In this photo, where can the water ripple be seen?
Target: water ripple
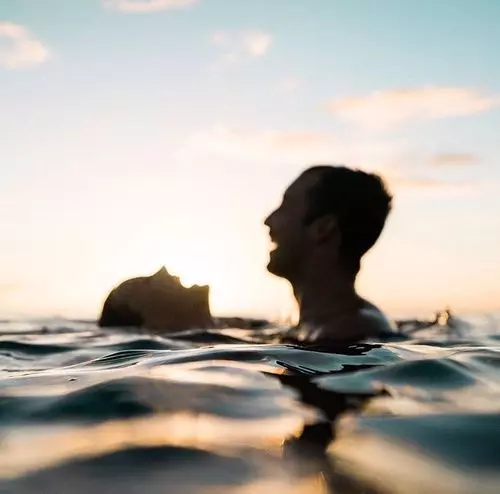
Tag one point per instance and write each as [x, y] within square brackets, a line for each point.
[236, 411]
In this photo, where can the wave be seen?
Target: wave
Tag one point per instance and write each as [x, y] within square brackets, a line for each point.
[237, 411]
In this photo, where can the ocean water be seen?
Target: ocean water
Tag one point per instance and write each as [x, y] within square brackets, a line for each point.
[235, 411]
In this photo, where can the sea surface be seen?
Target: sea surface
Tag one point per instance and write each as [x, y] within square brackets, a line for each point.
[85, 410]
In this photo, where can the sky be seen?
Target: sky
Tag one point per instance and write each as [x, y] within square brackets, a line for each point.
[142, 133]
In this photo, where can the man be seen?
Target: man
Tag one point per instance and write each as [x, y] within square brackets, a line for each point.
[328, 219]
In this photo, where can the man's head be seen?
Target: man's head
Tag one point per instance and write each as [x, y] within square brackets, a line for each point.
[328, 211]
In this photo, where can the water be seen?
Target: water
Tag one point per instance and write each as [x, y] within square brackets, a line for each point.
[85, 410]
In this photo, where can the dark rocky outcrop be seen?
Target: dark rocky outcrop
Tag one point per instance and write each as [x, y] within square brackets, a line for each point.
[159, 303]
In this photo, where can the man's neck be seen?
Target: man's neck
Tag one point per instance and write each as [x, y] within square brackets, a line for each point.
[324, 295]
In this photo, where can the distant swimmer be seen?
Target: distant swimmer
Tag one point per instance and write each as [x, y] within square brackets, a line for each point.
[330, 216]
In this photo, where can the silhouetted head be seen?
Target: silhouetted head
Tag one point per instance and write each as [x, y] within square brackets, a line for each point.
[157, 302]
[329, 213]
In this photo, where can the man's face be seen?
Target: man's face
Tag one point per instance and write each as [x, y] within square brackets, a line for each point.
[288, 230]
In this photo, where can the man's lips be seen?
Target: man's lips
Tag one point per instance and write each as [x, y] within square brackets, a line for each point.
[273, 245]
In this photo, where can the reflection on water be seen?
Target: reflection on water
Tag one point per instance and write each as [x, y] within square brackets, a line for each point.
[236, 411]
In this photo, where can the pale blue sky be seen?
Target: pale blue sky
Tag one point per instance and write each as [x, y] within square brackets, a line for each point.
[135, 139]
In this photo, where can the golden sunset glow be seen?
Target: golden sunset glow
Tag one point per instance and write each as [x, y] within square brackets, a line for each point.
[199, 125]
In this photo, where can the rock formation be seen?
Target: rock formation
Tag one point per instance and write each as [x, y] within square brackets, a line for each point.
[159, 303]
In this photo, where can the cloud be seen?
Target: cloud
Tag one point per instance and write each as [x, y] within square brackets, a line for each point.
[455, 159]
[256, 43]
[383, 109]
[18, 48]
[232, 147]
[227, 149]
[240, 45]
[444, 187]
[142, 6]
[420, 183]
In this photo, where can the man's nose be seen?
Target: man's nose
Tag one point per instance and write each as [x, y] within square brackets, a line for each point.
[268, 220]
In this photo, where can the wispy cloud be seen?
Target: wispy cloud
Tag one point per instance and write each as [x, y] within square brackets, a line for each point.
[18, 48]
[293, 150]
[454, 159]
[443, 187]
[224, 145]
[383, 109]
[256, 43]
[237, 46]
[424, 183]
[141, 6]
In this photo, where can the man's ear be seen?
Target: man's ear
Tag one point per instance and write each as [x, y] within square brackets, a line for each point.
[324, 228]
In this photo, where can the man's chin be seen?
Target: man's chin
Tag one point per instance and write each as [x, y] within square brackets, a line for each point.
[270, 267]
[273, 266]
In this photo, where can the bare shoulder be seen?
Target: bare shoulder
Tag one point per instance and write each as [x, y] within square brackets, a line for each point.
[373, 320]
[365, 322]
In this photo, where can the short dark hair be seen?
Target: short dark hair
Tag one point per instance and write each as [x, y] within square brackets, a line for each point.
[359, 200]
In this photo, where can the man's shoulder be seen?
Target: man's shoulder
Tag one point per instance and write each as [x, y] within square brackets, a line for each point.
[366, 322]
[373, 320]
